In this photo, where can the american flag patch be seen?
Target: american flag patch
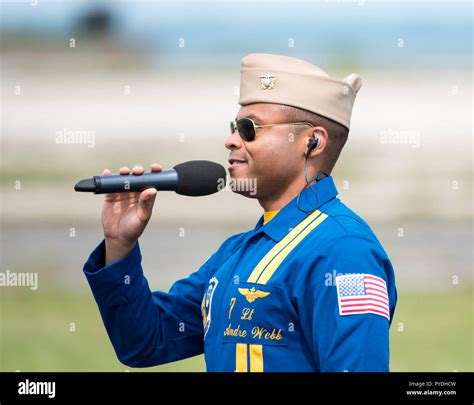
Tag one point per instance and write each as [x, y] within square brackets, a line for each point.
[362, 294]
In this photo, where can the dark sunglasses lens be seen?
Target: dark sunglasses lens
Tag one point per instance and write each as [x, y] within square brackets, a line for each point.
[246, 130]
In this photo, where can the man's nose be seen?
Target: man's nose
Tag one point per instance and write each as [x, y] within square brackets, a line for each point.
[234, 141]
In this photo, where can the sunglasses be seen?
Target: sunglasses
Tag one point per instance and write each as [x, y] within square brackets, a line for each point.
[247, 128]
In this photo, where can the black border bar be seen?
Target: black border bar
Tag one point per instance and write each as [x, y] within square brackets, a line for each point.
[153, 387]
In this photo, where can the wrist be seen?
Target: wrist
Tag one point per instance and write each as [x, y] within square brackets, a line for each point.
[116, 249]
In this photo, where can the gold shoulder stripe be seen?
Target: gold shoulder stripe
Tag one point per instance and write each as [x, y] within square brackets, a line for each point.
[273, 266]
[280, 246]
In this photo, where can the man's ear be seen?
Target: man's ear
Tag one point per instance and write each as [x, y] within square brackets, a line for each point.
[316, 141]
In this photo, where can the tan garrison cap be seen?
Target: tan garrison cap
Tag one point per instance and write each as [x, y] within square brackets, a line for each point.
[267, 78]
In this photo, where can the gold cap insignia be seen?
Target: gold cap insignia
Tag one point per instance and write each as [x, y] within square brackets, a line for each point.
[267, 81]
[251, 294]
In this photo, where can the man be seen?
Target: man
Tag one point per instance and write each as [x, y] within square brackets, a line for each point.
[310, 288]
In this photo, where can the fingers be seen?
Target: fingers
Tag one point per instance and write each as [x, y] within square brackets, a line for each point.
[124, 170]
[110, 196]
[148, 194]
[138, 169]
[145, 204]
[155, 167]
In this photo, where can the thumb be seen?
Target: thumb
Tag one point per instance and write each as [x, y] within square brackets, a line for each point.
[145, 203]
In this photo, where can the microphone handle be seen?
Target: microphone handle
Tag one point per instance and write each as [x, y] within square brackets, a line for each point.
[123, 183]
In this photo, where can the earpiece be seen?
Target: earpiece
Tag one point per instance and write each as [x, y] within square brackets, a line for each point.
[313, 144]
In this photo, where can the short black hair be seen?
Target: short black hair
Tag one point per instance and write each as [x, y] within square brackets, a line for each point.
[338, 133]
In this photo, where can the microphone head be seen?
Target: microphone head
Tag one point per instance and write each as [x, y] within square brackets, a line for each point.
[200, 177]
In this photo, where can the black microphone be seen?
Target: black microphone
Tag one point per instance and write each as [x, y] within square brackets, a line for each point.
[193, 178]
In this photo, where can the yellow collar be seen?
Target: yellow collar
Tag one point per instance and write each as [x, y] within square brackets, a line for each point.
[268, 216]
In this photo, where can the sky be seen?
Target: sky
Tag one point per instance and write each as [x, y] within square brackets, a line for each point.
[432, 32]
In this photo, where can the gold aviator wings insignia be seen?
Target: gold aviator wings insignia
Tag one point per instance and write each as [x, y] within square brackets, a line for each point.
[252, 294]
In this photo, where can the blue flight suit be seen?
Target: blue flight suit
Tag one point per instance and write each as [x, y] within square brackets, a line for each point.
[285, 296]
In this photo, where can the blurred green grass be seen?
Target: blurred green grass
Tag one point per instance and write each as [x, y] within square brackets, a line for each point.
[432, 331]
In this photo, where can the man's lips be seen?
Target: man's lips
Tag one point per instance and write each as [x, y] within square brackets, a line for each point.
[236, 162]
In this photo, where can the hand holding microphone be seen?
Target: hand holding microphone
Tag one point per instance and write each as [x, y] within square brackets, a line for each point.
[125, 215]
[129, 197]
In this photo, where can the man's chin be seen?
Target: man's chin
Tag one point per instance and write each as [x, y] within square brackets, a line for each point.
[243, 185]
[247, 194]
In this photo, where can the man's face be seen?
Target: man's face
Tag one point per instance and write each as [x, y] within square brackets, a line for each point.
[274, 159]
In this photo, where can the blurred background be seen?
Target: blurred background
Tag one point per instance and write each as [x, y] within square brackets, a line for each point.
[92, 84]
